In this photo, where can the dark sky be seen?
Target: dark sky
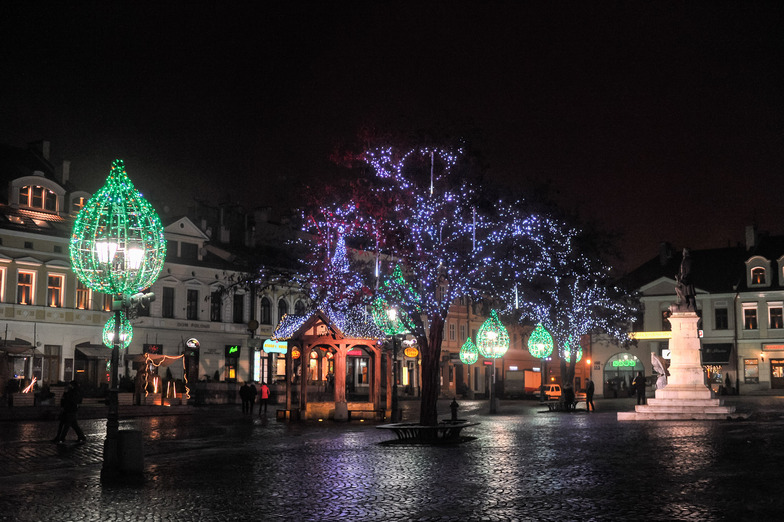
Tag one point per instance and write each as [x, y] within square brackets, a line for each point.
[659, 120]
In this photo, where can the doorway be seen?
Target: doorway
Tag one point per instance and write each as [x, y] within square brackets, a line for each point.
[777, 373]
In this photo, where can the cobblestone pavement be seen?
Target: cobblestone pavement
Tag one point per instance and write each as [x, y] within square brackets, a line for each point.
[523, 465]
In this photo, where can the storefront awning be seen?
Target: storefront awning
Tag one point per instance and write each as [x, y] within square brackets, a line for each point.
[94, 351]
[19, 347]
[716, 354]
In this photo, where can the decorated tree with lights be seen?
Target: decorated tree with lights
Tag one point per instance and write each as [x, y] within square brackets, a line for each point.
[575, 295]
[422, 209]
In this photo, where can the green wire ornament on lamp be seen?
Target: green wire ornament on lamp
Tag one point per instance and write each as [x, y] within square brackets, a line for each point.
[492, 340]
[540, 342]
[126, 331]
[469, 353]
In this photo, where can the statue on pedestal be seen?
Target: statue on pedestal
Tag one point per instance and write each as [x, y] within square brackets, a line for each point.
[659, 366]
[684, 287]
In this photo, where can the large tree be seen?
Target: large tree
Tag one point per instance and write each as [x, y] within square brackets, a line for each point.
[423, 210]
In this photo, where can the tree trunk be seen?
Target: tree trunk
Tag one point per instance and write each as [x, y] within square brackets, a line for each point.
[431, 383]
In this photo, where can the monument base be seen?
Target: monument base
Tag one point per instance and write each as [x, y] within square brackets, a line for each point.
[681, 403]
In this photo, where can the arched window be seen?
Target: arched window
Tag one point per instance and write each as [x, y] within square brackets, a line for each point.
[39, 198]
[758, 276]
[299, 307]
[283, 309]
[266, 311]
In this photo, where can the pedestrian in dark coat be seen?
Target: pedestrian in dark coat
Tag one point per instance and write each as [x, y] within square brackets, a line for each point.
[589, 389]
[639, 387]
[251, 396]
[70, 402]
[245, 397]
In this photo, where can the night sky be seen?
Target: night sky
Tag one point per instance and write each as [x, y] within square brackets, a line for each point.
[662, 121]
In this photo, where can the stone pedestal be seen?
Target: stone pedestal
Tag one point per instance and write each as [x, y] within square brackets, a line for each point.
[686, 397]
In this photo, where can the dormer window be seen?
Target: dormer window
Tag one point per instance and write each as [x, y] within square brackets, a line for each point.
[758, 276]
[38, 198]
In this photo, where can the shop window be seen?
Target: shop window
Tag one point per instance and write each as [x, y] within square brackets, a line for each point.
[2, 283]
[750, 317]
[25, 285]
[721, 319]
[775, 318]
[192, 304]
[751, 371]
[266, 311]
[54, 291]
[167, 302]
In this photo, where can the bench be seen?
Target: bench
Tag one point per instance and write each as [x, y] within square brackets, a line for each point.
[559, 406]
[444, 432]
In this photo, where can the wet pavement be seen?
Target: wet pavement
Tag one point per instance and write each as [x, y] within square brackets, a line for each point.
[213, 464]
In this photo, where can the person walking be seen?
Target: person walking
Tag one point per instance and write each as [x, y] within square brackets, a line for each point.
[639, 387]
[264, 394]
[589, 389]
[70, 402]
[251, 396]
[245, 397]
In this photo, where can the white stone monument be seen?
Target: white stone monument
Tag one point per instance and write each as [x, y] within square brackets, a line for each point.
[686, 396]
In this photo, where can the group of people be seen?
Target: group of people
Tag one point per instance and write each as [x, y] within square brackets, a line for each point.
[69, 403]
[248, 393]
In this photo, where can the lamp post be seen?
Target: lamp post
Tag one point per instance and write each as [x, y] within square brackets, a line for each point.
[540, 345]
[393, 323]
[392, 313]
[118, 248]
[492, 341]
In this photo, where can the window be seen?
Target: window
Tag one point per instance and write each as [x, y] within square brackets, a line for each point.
[775, 315]
[167, 302]
[216, 300]
[189, 251]
[238, 309]
[299, 307]
[750, 316]
[38, 197]
[665, 321]
[721, 319]
[283, 309]
[266, 311]
[452, 332]
[78, 204]
[192, 305]
[758, 276]
[462, 332]
[54, 291]
[28, 245]
[107, 303]
[25, 284]
[57, 249]
[751, 371]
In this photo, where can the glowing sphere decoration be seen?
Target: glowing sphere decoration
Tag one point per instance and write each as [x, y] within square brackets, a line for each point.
[126, 331]
[566, 355]
[388, 318]
[117, 243]
[540, 342]
[469, 353]
[492, 340]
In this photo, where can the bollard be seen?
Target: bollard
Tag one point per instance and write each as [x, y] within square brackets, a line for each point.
[454, 406]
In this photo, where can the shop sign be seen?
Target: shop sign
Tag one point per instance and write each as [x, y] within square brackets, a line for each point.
[624, 362]
[355, 353]
[271, 346]
[411, 352]
[295, 353]
[156, 349]
[232, 350]
[192, 343]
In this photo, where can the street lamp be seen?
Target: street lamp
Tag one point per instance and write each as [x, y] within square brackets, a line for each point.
[492, 341]
[118, 248]
[540, 345]
[389, 320]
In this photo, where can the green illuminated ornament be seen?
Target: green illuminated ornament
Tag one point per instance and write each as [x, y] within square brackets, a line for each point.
[540, 342]
[492, 340]
[469, 353]
[117, 243]
[388, 318]
[567, 351]
[393, 320]
[126, 331]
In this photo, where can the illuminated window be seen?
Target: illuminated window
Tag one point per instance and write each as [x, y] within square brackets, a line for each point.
[775, 315]
[107, 303]
[751, 371]
[750, 316]
[266, 311]
[54, 291]
[38, 197]
[25, 284]
[2, 284]
[192, 304]
[758, 276]
[78, 204]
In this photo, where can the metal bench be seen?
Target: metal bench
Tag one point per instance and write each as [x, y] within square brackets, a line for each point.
[445, 431]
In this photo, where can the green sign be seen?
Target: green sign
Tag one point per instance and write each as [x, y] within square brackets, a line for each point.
[624, 362]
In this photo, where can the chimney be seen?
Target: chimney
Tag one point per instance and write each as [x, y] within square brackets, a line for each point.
[41, 147]
[66, 172]
[751, 236]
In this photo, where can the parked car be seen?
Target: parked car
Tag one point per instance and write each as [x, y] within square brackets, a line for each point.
[551, 391]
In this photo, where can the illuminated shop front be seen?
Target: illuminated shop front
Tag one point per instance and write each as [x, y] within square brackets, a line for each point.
[619, 373]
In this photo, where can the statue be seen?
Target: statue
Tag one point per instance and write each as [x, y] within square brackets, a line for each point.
[684, 288]
[660, 368]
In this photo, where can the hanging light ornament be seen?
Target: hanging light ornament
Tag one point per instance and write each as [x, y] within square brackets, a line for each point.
[387, 317]
[540, 342]
[117, 243]
[469, 353]
[566, 355]
[492, 340]
[126, 331]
